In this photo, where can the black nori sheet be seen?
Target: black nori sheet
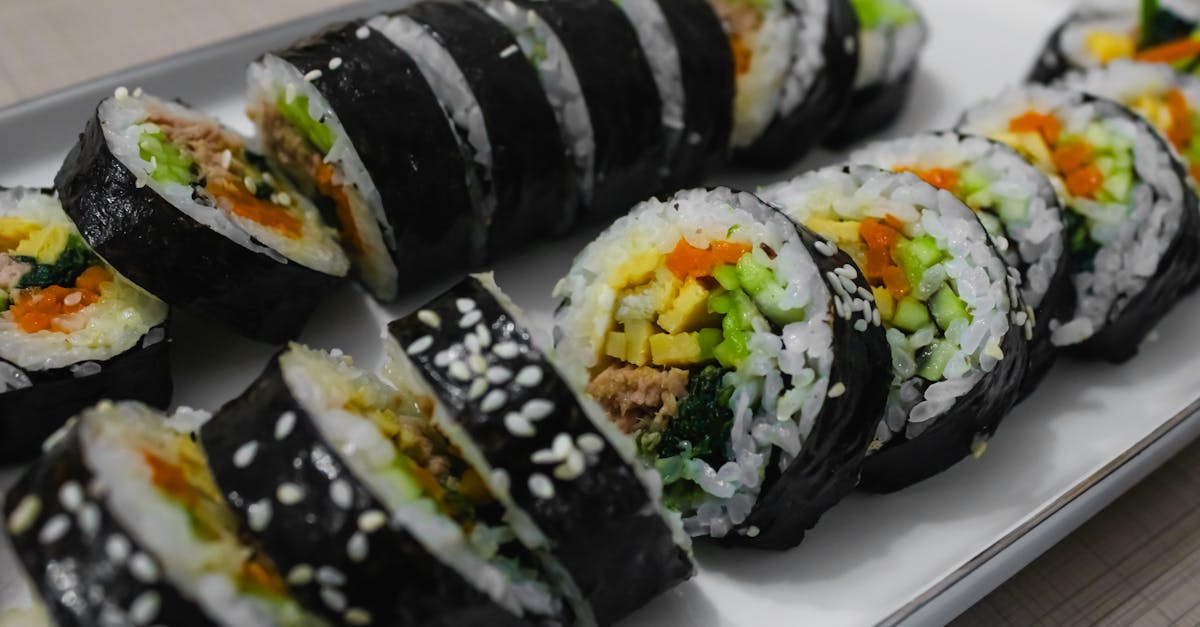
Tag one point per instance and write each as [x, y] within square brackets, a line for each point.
[399, 582]
[1052, 63]
[621, 95]
[603, 525]
[178, 259]
[402, 135]
[142, 373]
[830, 99]
[828, 467]
[707, 70]
[533, 182]
[75, 575]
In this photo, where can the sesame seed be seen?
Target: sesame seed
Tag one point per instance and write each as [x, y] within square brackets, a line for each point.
[478, 387]
[498, 375]
[143, 568]
[752, 531]
[519, 425]
[121, 93]
[357, 616]
[529, 376]
[537, 408]
[137, 92]
[836, 390]
[590, 443]
[285, 424]
[442, 359]
[24, 514]
[73, 299]
[430, 318]
[464, 305]
[226, 158]
[333, 599]
[421, 345]
[357, 548]
[335, 63]
[145, 608]
[506, 350]
[300, 575]
[245, 454]
[70, 495]
[846, 271]
[860, 325]
[544, 456]
[848, 285]
[371, 521]
[312, 76]
[471, 341]
[289, 493]
[251, 185]
[509, 51]
[477, 363]
[112, 616]
[54, 529]
[116, 548]
[867, 294]
[485, 336]
[993, 350]
[572, 468]
[460, 371]
[341, 494]
[259, 515]
[541, 486]
[493, 401]
[470, 318]
[289, 93]
[562, 445]
[875, 317]
[363, 32]
[330, 577]
[89, 520]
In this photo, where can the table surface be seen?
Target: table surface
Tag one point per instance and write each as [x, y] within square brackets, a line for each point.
[1137, 562]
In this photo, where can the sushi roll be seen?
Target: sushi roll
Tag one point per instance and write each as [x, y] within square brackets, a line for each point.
[600, 82]
[182, 207]
[949, 303]
[569, 481]
[353, 120]
[1131, 218]
[371, 515]
[693, 68]
[891, 35]
[72, 329]
[794, 63]
[743, 356]
[1094, 36]
[1020, 209]
[503, 120]
[119, 523]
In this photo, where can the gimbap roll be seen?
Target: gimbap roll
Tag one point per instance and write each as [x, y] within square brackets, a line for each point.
[352, 119]
[1020, 209]
[119, 523]
[742, 355]
[569, 480]
[600, 83]
[891, 35]
[794, 62]
[182, 207]
[72, 329]
[369, 512]
[950, 305]
[1131, 218]
[1147, 31]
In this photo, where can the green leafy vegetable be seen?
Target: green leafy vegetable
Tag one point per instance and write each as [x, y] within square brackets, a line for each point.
[701, 429]
[873, 14]
[296, 113]
[75, 258]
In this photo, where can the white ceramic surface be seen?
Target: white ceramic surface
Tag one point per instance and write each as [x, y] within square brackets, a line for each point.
[917, 557]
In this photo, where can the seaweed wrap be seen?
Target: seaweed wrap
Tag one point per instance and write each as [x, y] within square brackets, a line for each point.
[948, 301]
[600, 83]
[72, 329]
[1131, 217]
[119, 523]
[369, 512]
[353, 120]
[569, 479]
[186, 210]
[693, 68]
[1147, 31]
[1020, 209]
[794, 66]
[891, 35]
[743, 356]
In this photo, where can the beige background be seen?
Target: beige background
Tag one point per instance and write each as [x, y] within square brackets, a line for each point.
[1138, 562]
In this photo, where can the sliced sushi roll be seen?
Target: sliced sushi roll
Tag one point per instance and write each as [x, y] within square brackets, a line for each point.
[72, 329]
[891, 35]
[120, 524]
[373, 517]
[743, 356]
[352, 119]
[947, 299]
[569, 480]
[1020, 209]
[693, 68]
[1131, 218]
[1146, 31]
[502, 117]
[182, 207]
[794, 62]
[600, 83]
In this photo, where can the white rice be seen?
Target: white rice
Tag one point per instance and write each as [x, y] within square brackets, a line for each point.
[885, 54]
[662, 52]
[979, 276]
[779, 390]
[760, 90]
[808, 59]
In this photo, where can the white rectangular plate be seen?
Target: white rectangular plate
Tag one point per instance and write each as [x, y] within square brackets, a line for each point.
[917, 557]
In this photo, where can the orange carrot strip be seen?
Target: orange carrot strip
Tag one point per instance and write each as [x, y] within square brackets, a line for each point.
[1170, 52]
[1071, 157]
[1180, 133]
[1035, 122]
[1085, 182]
[688, 261]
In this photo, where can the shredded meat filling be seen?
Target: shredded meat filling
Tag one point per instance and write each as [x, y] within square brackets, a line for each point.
[637, 397]
[11, 272]
[286, 144]
[204, 142]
